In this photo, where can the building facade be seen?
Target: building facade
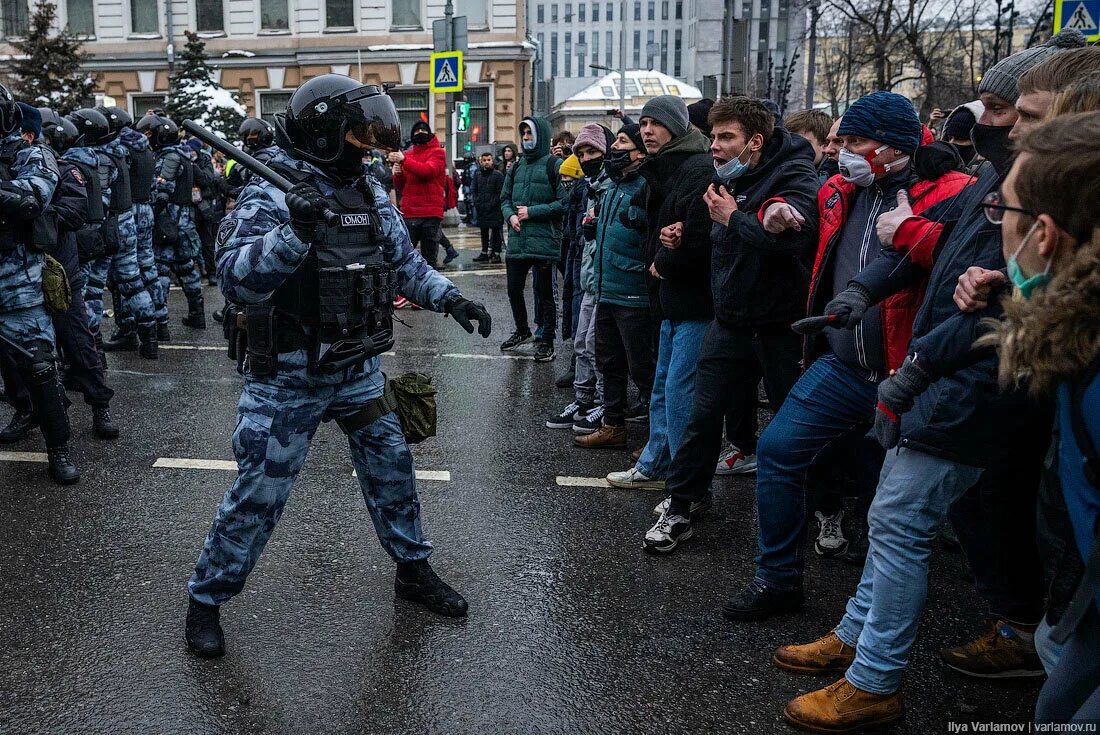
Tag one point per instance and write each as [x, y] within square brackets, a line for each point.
[263, 49]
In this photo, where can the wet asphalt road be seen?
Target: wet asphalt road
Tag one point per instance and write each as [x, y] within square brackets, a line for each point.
[572, 628]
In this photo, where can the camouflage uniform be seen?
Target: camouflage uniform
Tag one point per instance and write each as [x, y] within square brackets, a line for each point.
[179, 259]
[277, 416]
[143, 222]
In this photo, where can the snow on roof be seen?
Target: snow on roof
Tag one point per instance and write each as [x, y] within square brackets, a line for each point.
[639, 83]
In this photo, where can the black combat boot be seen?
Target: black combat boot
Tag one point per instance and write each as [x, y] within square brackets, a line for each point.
[147, 337]
[196, 313]
[204, 630]
[102, 424]
[19, 426]
[218, 315]
[417, 581]
[62, 469]
[123, 340]
[163, 333]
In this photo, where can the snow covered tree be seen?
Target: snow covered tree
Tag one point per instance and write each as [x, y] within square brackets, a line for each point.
[46, 70]
[193, 94]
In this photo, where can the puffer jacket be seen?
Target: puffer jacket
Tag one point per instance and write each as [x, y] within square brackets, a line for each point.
[533, 182]
[486, 191]
[421, 181]
[620, 250]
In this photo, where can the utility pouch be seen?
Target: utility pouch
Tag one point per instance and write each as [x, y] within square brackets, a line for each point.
[55, 287]
[261, 357]
[112, 239]
[165, 230]
[89, 243]
[44, 231]
[415, 398]
[334, 288]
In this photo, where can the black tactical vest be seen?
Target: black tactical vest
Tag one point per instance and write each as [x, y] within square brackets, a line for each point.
[19, 232]
[95, 192]
[343, 289]
[142, 169]
[121, 199]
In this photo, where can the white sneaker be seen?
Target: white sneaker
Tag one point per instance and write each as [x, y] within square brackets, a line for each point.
[666, 533]
[633, 479]
[699, 506]
[735, 462]
[830, 539]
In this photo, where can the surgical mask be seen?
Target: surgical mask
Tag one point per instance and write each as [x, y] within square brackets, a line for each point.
[618, 164]
[991, 143]
[421, 138]
[529, 146]
[860, 171]
[1026, 285]
[732, 168]
[592, 167]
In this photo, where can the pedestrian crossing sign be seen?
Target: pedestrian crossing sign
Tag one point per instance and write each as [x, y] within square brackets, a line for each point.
[447, 71]
[1081, 15]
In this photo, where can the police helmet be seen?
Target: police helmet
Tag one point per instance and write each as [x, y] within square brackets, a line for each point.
[62, 133]
[11, 118]
[256, 133]
[117, 117]
[323, 111]
[92, 126]
[161, 131]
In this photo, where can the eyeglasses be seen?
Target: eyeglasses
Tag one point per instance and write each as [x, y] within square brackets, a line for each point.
[995, 209]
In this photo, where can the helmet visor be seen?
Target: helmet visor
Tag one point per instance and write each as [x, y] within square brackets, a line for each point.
[371, 118]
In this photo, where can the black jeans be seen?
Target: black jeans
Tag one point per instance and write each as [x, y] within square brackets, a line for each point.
[542, 279]
[624, 348]
[426, 232]
[492, 240]
[727, 361]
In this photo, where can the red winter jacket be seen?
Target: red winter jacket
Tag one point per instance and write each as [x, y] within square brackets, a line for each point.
[420, 182]
[916, 234]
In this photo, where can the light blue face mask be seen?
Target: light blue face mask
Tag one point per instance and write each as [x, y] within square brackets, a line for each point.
[732, 168]
[529, 146]
[1026, 285]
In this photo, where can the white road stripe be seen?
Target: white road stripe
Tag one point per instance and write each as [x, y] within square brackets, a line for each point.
[426, 475]
[23, 457]
[462, 356]
[478, 272]
[581, 482]
[184, 463]
[213, 348]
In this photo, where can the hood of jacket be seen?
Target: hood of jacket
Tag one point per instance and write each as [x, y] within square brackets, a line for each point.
[540, 126]
[432, 142]
[782, 147]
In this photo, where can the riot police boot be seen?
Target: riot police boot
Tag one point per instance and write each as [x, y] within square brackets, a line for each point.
[62, 469]
[196, 313]
[147, 338]
[416, 581]
[163, 333]
[204, 630]
[103, 426]
[218, 315]
[19, 426]
[123, 340]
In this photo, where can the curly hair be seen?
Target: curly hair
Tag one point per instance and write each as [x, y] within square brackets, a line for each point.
[1083, 95]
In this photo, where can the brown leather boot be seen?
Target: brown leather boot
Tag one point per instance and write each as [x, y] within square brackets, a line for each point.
[605, 437]
[842, 708]
[826, 655]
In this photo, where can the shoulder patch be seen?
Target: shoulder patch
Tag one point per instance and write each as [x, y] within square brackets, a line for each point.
[226, 230]
[77, 176]
[832, 200]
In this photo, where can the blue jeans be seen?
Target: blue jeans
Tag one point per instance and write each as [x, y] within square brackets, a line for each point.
[828, 403]
[673, 394]
[914, 496]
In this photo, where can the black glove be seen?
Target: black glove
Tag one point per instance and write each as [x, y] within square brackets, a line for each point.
[18, 205]
[588, 228]
[848, 307]
[306, 206]
[895, 398]
[465, 312]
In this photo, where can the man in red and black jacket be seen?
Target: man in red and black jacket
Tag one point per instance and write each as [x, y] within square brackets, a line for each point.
[419, 175]
[835, 397]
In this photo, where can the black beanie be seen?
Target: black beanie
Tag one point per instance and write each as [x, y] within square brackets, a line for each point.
[959, 123]
[421, 125]
[698, 113]
[634, 132]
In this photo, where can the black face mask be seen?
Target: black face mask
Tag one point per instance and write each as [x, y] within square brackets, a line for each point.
[592, 167]
[349, 165]
[421, 138]
[966, 152]
[618, 164]
[991, 142]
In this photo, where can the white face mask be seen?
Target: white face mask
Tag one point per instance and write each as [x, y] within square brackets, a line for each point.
[859, 170]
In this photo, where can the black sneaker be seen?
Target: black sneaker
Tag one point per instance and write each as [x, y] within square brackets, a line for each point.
[451, 255]
[517, 339]
[567, 416]
[588, 421]
[204, 630]
[19, 426]
[417, 582]
[102, 424]
[638, 414]
[668, 532]
[544, 352]
[482, 258]
[758, 601]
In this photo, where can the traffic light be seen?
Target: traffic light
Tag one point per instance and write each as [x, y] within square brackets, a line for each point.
[463, 110]
[424, 116]
[475, 134]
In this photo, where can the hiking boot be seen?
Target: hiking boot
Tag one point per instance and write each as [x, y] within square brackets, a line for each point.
[544, 352]
[826, 655]
[1004, 653]
[417, 582]
[62, 469]
[758, 601]
[589, 422]
[666, 534]
[481, 258]
[517, 339]
[605, 437]
[204, 630]
[735, 462]
[830, 537]
[565, 418]
[147, 338]
[634, 479]
[122, 341]
[19, 426]
[102, 425]
[843, 708]
[163, 333]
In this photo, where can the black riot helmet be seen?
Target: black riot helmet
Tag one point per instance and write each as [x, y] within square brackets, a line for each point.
[61, 132]
[11, 118]
[92, 126]
[325, 110]
[161, 131]
[117, 117]
[256, 133]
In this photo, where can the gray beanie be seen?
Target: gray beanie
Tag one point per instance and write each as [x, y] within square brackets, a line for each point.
[670, 111]
[1002, 77]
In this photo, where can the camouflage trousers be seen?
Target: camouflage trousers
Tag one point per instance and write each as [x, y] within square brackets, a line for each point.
[123, 269]
[276, 420]
[147, 264]
[180, 258]
[29, 328]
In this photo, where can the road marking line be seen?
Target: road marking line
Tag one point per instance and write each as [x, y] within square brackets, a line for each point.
[478, 272]
[426, 475]
[191, 347]
[463, 356]
[581, 482]
[23, 457]
[184, 463]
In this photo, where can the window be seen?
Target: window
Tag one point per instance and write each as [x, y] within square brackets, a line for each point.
[677, 69]
[595, 49]
[649, 50]
[651, 87]
[637, 9]
[410, 104]
[637, 49]
[609, 16]
[81, 17]
[652, 14]
[142, 103]
[339, 13]
[664, 9]
[542, 13]
[553, 55]
[144, 17]
[568, 54]
[542, 56]
[581, 7]
[679, 10]
[274, 15]
[609, 49]
[581, 50]
[554, 13]
[209, 15]
[272, 102]
[406, 13]
[664, 51]
[15, 17]
[476, 12]
[596, 12]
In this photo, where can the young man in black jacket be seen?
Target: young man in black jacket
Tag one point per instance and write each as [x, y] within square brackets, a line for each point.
[763, 204]
[486, 188]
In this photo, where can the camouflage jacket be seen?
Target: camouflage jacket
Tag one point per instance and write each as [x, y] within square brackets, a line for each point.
[35, 171]
[258, 250]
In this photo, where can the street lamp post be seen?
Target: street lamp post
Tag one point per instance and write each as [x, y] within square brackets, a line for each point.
[811, 62]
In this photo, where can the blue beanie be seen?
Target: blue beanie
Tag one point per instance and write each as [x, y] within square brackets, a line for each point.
[886, 117]
[195, 143]
[32, 119]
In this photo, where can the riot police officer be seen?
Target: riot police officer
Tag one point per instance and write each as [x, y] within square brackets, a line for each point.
[28, 179]
[312, 359]
[258, 140]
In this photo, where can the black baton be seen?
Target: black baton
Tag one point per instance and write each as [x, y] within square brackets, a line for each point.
[16, 347]
[257, 167]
